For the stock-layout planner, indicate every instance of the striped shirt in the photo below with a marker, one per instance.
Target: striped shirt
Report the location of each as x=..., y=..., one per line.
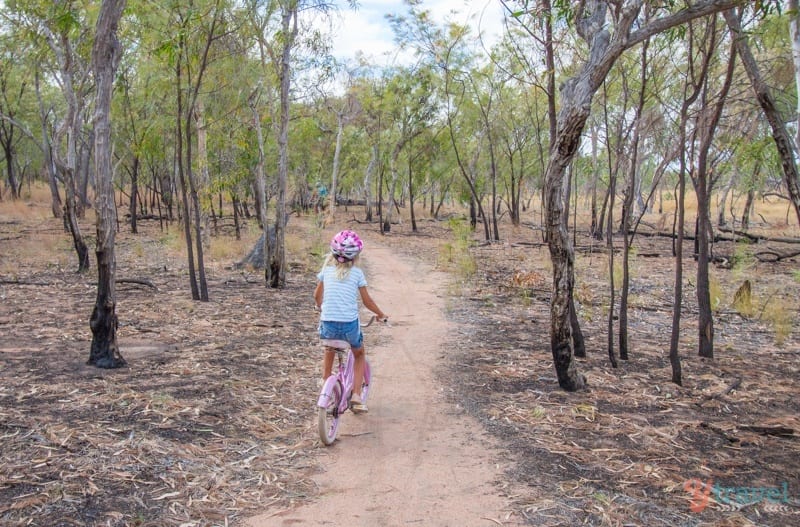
x=340, y=297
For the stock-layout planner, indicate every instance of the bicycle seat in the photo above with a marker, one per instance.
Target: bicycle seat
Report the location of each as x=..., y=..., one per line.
x=336, y=344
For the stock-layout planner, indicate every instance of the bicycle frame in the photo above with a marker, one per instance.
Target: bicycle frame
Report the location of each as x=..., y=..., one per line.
x=344, y=376
x=334, y=397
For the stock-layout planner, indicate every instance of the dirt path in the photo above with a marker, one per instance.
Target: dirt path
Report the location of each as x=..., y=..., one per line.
x=412, y=460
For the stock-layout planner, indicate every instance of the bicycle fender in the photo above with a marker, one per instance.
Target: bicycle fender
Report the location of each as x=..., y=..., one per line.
x=327, y=392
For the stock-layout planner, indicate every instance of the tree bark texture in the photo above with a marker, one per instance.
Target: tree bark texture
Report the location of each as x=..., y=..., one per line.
x=106, y=54
x=186, y=217
x=134, y=206
x=577, y=95
x=276, y=264
x=703, y=188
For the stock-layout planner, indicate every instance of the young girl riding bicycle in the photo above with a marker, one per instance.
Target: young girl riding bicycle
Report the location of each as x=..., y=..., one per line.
x=340, y=284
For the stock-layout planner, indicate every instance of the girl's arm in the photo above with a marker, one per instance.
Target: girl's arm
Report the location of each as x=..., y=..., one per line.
x=370, y=304
x=318, y=295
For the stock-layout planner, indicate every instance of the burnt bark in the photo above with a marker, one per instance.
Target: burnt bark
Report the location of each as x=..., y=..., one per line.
x=106, y=54
x=134, y=206
x=71, y=219
x=627, y=209
x=577, y=95
x=703, y=187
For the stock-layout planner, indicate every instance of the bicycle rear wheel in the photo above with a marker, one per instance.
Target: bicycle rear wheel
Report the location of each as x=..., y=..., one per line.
x=328, y=412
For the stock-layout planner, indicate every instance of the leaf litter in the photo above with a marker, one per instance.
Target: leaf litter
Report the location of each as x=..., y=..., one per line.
x=212, y=420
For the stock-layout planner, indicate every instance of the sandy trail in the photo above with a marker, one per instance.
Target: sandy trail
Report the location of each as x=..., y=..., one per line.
x=411, y=460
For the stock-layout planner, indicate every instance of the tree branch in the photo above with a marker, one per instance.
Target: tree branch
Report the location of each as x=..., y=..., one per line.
x=697, y=10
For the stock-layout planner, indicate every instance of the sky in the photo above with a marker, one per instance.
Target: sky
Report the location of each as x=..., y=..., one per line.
x=367, y=30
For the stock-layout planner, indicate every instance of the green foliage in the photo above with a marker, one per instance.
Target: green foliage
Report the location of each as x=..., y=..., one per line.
x=742, y=260
x=456, y=255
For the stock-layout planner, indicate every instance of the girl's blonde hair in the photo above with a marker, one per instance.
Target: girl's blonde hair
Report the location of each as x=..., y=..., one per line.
x=342, y=268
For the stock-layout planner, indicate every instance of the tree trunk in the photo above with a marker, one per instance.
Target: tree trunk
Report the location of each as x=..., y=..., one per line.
x=411, y=192
x=237, y=223
x=783, y=142
x=55, y=198
x=578, y=341
x=631, y=191
x=612, y=191
x=393, y=170
x=368, y=177
x=10, y=159
x=723, y=199
x=184, y=211
x=748, y=209
x=677, y=300
x=276, y=263
x=577, y=94
x=203, y=179
x=261, y=178
x=595, y=227
x=106, y=54
x=71, y=219
x=71, y=126
x=705, y=317
x=83, y=170
x=703, y=188
x=134, y=191
x=493, y=170
x=794, y=33
x=196, y=209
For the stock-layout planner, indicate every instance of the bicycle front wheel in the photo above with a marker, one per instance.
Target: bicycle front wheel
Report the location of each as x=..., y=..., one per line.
x=328, y=413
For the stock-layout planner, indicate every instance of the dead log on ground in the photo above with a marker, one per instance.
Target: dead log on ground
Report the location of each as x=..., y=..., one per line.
x=771, y=255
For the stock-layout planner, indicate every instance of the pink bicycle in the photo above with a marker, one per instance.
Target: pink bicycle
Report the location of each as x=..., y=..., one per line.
x=334, y=398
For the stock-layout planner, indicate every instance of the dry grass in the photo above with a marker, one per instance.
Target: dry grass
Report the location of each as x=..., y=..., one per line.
x=34, y=205
x=210, y=422
x=620, y=453
x=778, y=313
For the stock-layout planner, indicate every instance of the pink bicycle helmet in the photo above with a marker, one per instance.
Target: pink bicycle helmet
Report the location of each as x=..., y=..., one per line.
x=346, y=245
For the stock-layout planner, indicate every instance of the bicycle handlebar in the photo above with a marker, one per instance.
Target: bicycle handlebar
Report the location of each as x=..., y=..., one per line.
x=372, y=319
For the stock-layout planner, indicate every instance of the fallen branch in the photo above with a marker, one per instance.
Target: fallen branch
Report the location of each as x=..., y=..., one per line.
x=719, y=431
x=780, y=431
x=759, y=237
x=528, y=244
x=661, y=234
x=5, y=281
x=732, y=386
x=771, y=255
x=138, y=281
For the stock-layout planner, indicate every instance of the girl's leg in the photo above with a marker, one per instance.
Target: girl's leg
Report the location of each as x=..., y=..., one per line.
x=358, y=371
x=327, y=364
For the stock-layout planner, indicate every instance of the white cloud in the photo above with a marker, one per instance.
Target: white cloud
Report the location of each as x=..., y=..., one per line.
x=366, y=29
